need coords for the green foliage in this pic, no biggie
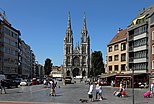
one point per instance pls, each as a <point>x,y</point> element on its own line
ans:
<point>47,66</point>
<point>97,63</point>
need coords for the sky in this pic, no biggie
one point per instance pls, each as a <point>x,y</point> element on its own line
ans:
<point>43,23</point>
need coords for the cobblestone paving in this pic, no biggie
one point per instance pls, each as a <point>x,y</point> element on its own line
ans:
<point>70,94</point>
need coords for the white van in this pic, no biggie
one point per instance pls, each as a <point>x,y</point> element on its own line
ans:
<point>2,76</point>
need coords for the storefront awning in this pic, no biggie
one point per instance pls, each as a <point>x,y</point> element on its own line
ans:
<point>128,76</point>
<point>107,75</point>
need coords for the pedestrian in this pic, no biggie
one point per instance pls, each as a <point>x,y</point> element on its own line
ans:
<point>100,92</point>
<point>90,92</point>
<point>152,89</point>
<point>2,85</point>
<point>97,90</point>
<point>121,87</point>
<point>52,88</point>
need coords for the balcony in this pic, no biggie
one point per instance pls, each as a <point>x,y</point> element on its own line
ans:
<point>131,48</point>
<point>140,48</point>
<point>140,60</point>
<point>131,59</point>
<point>131,37</point>
<point>143,35</point>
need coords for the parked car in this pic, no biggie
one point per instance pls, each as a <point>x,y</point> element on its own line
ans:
<point>2,76</point>
<point>26,82</point>
<point>39,81</point>
<point>9,83</point>
<point>68,80</point>
<point>59,79</point>
<point>34,81</point>
<point>18,80</point>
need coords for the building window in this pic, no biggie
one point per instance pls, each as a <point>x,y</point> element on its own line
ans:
<point>116,47</point>
<point>68,60</point>
<point>67,50</point>
<point>116,67</point>
<point>140,42</point>
<point>152,64</point>
<point>140,66</point>
<point>123,46</point>
<point>123,57</point>
<point>110,49</point>
<point>123,66</point>
<point>110,68</point>
<point>110,58</point>
<point>116,58</point>
<point>84,61</point>
<point>84,49</point>
<point>152,35</point>
<point>152,49</point>
<point>140,54</point>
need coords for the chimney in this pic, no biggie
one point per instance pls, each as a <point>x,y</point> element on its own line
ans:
<point>119,30</point>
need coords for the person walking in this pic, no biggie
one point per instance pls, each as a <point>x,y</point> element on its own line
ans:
<point>100,92</point>
<point>152,89</point>
<point>97,90</point>
<point>90,92</point>
<point>52,88</point>
<point>121,87</point>
<point>2,85</point>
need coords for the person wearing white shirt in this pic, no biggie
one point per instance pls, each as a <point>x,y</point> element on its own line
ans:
<point>90,92</point>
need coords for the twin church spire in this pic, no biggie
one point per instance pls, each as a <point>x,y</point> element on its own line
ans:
<point>69,22</point>
<point>69,29</point>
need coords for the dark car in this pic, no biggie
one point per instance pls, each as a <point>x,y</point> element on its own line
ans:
<point>17,80</point>
<point>9,83</point>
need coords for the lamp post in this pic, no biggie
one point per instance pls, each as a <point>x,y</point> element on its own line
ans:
<point>132,85</point>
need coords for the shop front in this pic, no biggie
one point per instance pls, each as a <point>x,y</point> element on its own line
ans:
<point>140,80</point>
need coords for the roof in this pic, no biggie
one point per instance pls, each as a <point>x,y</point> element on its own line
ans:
<point>144,13</point>
<point>121,35</point>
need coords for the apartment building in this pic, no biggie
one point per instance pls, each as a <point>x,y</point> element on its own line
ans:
<point>26,59</point>
<point>39,70</point>
<point>32,64</point>
<point>117,53</point>
<point>140,40</point>
<point>8,49</point>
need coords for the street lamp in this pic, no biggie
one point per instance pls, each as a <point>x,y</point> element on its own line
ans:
<point>132,85</point>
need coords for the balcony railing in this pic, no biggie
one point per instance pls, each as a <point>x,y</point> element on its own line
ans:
<point>131,37</point>
<point>131,48</point>
<point>131,59</point>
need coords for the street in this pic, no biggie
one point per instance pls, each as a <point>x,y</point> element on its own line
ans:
<point>69,94</point>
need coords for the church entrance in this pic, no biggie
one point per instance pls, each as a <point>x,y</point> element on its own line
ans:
<point>84,73</point>
<point>68,73</point>
<point>75,72</point>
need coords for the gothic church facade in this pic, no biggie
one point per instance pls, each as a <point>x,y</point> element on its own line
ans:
<point>76,59</point>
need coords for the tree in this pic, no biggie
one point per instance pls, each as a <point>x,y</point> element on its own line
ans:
<point>97,63</point>
<point>47,66</point>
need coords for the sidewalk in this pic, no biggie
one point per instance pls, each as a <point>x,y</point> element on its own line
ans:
<point>16,102</point>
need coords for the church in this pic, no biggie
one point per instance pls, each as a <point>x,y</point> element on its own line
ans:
<point>76,59</point>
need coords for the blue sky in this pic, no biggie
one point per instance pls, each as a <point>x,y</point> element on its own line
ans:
<point>43,23</point>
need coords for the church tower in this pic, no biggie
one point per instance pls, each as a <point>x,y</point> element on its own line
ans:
<point>85,49</point>
<point>76,60</point>
<point>68,48</point>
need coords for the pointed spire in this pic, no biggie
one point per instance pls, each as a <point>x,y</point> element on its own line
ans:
<point>84,24</point>
<point>69,21</point>
<point>84,28</point>
<point>69,30</point>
